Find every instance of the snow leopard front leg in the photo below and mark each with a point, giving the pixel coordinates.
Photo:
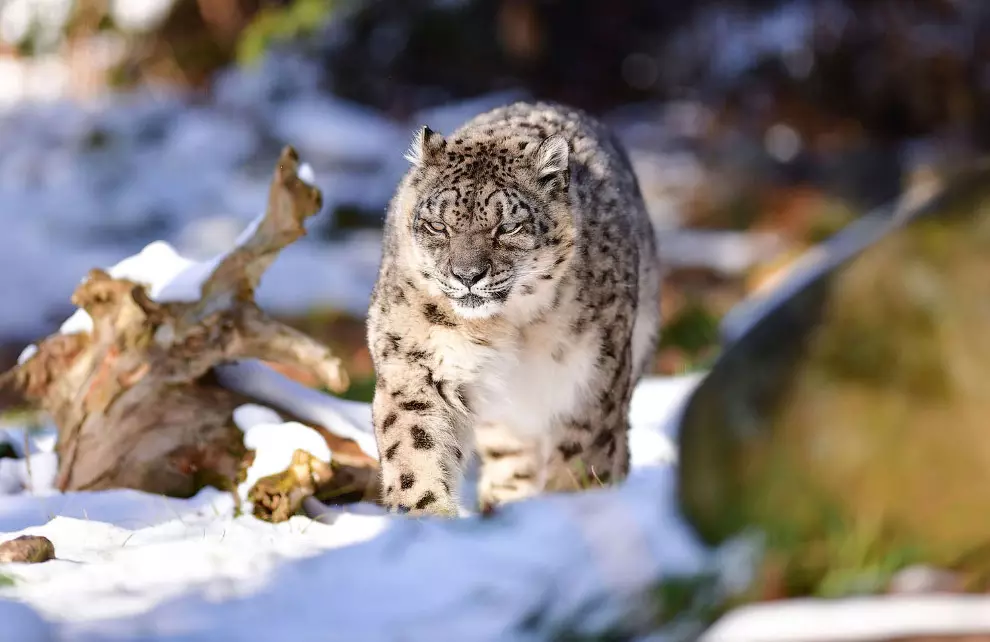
(592, 444)
(512, 467)
(420, 435)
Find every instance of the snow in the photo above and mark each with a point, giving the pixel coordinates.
(38, 439)
(161, 568)
(120, 507)
(274, 443)
(171, 277)
(188, 569)
(323, 127)
(654, 415)
(348, 419)
(152, 568)
(95, 181)
(124, 571)
(159, 267)
(448, 117)
(139, 15)
(42, 19)
(171, 569)
(105, 177)
(306, 173)
(21, 622)
(36, 475)
(198, 576)
(730, 253)
(28, 352)
(864, 618)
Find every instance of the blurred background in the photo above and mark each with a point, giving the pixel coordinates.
(757, 128)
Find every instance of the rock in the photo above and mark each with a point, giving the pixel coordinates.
(27, 549)
(847, 421)
(7, 451)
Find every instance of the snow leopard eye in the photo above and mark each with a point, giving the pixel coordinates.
(434, 227)
(508, 229)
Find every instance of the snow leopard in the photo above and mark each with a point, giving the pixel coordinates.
(516, 306)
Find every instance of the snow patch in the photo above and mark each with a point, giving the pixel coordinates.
(347, 419)
(124, 572)
(35, 476)
(654, 414)
(104, 178)
(188, 570)
(21, 623)
(119, 507)
(274, 444)
(856, 619)
(201, 577)
(306, 174)
(39, 439)
(28, 352)
(167, 275)
(730, 253)
(331, 129)
(250, 415)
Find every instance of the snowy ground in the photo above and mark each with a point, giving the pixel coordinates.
(136, 566)
(139, 566)
(131, 565)
(94, 183)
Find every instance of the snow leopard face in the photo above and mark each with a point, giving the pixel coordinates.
(491, 221)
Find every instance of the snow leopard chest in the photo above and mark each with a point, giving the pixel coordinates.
(536, 379)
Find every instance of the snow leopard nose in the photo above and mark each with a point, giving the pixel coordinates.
(471, 273)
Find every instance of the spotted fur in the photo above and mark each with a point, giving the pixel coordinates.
(515, 308)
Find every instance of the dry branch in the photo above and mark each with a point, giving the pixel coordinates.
(134, 399)
(278, 497)
(351, 476)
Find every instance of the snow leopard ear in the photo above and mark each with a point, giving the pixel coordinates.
(426, 147)
(552, 163)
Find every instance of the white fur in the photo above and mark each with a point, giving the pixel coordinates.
(415, 152)
(552, 156)
(483, 311)
(526, 389)
(647, 323)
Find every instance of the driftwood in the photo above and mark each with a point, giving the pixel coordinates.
(134, 399)
(278, 497)
(351, 476)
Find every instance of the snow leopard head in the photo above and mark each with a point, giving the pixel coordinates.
(490, 220)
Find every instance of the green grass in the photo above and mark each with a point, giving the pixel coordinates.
(693, 329)
(678, 607)
(360, 390)
(279, 24)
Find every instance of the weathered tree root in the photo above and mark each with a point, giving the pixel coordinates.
(278, 497)
(134, 399)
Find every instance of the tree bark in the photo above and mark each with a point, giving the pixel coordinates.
(134, 399)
